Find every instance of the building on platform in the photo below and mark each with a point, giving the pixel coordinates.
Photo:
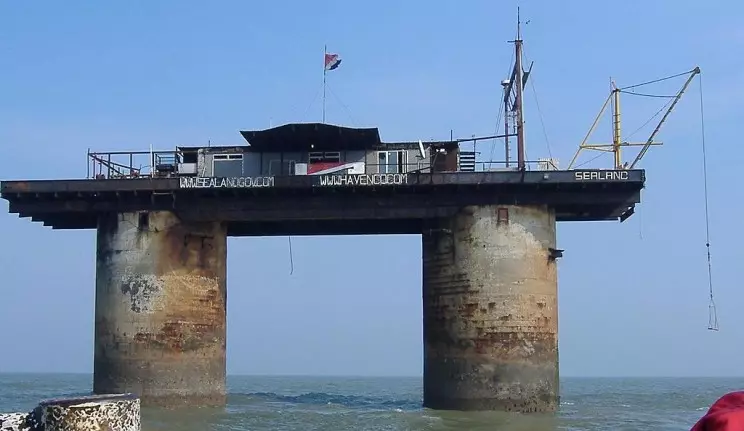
(305, 149)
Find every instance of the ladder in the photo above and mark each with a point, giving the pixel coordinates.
(467, 161)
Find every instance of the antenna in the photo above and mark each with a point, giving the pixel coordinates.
(152, 160)
(519, 24)
(422, 150)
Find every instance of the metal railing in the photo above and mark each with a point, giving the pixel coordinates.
(132, 164)
(478, 166)
(530, 165)
(158, 164)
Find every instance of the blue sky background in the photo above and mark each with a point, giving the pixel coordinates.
(633, 296)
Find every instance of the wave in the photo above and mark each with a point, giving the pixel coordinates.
(323, 398)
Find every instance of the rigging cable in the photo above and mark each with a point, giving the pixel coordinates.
(539, 112)
(661, 96)
(603, 153)
(712, 315)
(338, 99)
(496, 132)
(640, 225)
(315, 97)
(291, 260)
(542, 121)
(498, 124)
(656, 80)
(666, 105)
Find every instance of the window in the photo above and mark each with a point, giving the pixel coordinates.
(228, 157)
(227, 165)
(392, 162)
(144, 221)
(281, 167)
(502, 216)
(324, 157)
(190, 156)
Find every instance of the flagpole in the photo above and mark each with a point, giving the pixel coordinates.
(325, 51)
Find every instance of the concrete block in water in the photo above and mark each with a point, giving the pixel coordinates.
(89, 413)
(18, 422)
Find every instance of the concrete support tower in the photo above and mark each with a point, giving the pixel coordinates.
(490, 310)
(160, 314)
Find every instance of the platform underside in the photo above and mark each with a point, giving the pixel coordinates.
(313, 205)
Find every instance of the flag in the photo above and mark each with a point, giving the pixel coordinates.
(331, 61)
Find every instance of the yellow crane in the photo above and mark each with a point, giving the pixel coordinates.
(617, 144)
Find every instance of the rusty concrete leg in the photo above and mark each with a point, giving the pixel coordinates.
(160, 309)
(490, 311)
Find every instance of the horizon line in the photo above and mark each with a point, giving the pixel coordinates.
(388, 376)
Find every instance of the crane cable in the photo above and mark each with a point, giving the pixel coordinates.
(656, 80)
(291, 258)
(712, 314)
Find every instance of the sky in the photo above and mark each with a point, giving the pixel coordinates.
(633, 296)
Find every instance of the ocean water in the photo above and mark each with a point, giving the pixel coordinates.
(392, 404)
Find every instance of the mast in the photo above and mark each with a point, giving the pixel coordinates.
(518, 99)
(325, 53)
(616, 140)
(514, 112)
(505, 84)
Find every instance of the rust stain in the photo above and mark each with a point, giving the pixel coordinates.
(196, 246)
(21, 186)
(176, 337)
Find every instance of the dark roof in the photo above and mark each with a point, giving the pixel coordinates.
(312, 136)
(215, 148)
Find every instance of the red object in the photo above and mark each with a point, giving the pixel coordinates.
(726, 414)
